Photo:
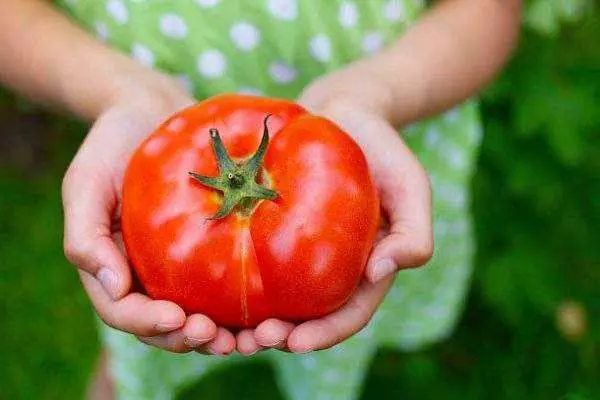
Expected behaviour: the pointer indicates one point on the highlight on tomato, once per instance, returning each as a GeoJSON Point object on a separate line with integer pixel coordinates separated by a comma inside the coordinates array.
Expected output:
{"type": "Point", "coordinates": [244, 208]}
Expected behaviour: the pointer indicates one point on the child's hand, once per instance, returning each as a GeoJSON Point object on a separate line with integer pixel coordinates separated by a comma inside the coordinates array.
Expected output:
{"type": "Point", "coordinates": [91, 196]}
{"type": "Point", "coordinates": [407, 241]}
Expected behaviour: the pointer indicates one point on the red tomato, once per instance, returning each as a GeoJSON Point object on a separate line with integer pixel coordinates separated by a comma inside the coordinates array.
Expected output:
{"type": "Point", "coordinates": [297, 254]}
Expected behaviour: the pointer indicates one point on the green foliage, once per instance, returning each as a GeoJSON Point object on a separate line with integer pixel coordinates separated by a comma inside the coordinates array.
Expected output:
{"type": "Point", "coordinates": [539, 166]}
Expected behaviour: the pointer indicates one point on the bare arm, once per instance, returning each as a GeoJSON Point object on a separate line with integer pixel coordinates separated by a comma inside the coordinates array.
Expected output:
{"type": "Point", "coordinates": [45, 57]}
{"type": "Point", "coordinates": [451, 53]}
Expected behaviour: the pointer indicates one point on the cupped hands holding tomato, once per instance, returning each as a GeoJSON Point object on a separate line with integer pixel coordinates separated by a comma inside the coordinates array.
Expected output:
{"type": "Point", "coordinates": [201, 231]}
{"type": "Point", "coordinates": [275, 255]}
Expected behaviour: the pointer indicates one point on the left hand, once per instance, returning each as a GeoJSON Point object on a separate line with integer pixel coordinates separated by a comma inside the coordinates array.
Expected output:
{"type": "Point", "coordinates": [405, 239]}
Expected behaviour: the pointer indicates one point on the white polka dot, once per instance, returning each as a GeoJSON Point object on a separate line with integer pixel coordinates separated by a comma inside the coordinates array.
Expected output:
{"type": "Point", "coordinates": [186, 82]}
{"type": "Point", "coordinates": [432, 136]}
{"type": "Point", "coordinates": [71, 2]}
{"type": "Point", "coordinates": [244, 35]}
{"type": "Point", "coordinates": [461, 226]}
{"type": "Point", "coordinates": [286, 10]}
{"type": "Point", "coordinates": [456, 157]}
{"type": "Point", "coordinates": [393, 10]}
{"type": "Point", "coordinates": [436, 312]}
{"type": "Point", "coordinates": [118, 11]}
{"type": "Point", "coordinates": [348, 14]}
{"type": "Point", "coordinates": [320, 48]}
{"type": "Point", "coordinates": [451, 116]}
{"type": "Point", "coordinates": [212, 64]}
{"type": "Point", "coordinates": [475, 132]}
{"type": "Point", "coordinates": [142, 54]}
{"type": "Point", "coordinates": [372, 42]}
{"type": "Point", "coordinates": [309, 362]}
{"type": "Point", "coordinates": [332, 376]}
{"type": "Point", "coordinates": [441, 227]}
{"type": "Point", "coordinates": [396, 295]}
{"type": "Point", "coordinates": [250, 91]}
{"type": "Point", "coordinates": [207, 3]}
{"type": "Point", "coordinates": [454, 196]}
{"type": "Point", "coordinates": [282, 73]}
{"type": "Point", "coordinates": [101, 30]}
{"type": "Point", "coordinates": [173, 26]}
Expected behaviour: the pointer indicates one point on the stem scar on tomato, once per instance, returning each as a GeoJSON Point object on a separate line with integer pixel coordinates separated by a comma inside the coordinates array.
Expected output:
{"type": "Point", "coordinates": [237, 182]}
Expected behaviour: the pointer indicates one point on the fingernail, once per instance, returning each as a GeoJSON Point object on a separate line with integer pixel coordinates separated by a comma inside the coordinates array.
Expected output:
{"type": "Point", "coordinates": [383, 268]}
{"type": "Point", "coordinates": [253, 353]}
{"type": "Point", "coordinates": [166, 327]}
{"type": "Point", "coordinates": [193, 342]}
{"type": "Point", "coordinates": [109, 281]}
{"type": "Point", "coordinates": [273, 344]}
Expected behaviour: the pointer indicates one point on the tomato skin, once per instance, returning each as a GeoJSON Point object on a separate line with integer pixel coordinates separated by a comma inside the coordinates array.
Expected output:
{"type": "Point", "coordinates": [298, 257]}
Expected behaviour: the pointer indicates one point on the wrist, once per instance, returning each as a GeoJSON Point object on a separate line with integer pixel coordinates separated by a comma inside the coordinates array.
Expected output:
{"type": "Point", "coordinates": [116, 79]}
{"type": "Point", "coordinates": [356, 88]}
{"type": "Point", "coordinates": [145, 88]}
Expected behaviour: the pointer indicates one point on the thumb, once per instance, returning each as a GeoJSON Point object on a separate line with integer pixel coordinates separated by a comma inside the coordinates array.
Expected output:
{"type": "Point", "coordinates": [406, 198]}
{"type": "Point", "coordinates": [89, 201]}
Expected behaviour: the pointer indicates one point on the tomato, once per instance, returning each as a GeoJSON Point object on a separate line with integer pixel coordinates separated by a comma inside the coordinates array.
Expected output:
{"type": "Point", "coordinates": [245, 208]}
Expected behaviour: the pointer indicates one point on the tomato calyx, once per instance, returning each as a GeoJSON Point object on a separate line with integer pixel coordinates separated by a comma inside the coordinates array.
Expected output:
{"type": "Point", "coordinates": [237, 181]}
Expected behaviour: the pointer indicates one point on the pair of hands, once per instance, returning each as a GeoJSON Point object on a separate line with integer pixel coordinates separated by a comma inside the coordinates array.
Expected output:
{"type": "Point", "coordinates": [91, 198]}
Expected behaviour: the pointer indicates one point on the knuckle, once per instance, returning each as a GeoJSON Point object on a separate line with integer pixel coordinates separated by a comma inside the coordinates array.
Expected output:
{"type": "Point", "coordinates": [77, 252]}
{"type": "Point", "coordinates": [422, 253]}
{"type": "Point", "coordinates": [72, 251]}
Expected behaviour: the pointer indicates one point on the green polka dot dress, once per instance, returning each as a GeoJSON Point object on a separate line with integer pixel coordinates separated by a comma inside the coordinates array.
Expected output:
{"type": "Point", "coordinates": [275, 48]}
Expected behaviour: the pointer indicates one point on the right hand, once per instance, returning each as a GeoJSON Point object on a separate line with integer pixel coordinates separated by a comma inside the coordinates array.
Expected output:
{"type": "Point", "coordinates": [91, 199]}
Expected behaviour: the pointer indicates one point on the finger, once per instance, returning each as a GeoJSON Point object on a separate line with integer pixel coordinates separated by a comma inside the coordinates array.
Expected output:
{"type": "Point", "coordinates": [338, 326]}
{"type": "Point", "coordinates": [173, 342]}
{"type": "Point", "coordinates": [89, 200]}
{"type": "Point", "coordinates": [273, 333]}
{"type": "Point", "coordinates": [134, 313]}
{"type": "Point", "coordinates": [197, 331]}
{"type": "Point", "coordinates": [246, 344]}
{"type": "Point", "coordinates": [406, 199]}
{"type": "Point", "coordinates": [223, 344]}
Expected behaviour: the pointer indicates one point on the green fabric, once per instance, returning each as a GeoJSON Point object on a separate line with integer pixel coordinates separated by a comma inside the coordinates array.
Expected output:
{"type": "Point", "coordinates": [275, 48]}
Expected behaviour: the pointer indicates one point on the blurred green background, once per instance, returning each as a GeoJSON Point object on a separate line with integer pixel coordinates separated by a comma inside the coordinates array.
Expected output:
{"type": "Point", "coordinates": [531, 329]}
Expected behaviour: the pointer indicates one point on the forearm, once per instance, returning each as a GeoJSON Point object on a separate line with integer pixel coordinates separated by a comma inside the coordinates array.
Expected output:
{"type": "Point", "coordinates": [448, 56]}
{"type": "Point", "coordinates": [44, 57]}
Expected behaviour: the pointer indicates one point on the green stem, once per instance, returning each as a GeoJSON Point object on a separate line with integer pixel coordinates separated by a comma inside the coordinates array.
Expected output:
{"type": "Point", "coordinates": [236, 182]}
